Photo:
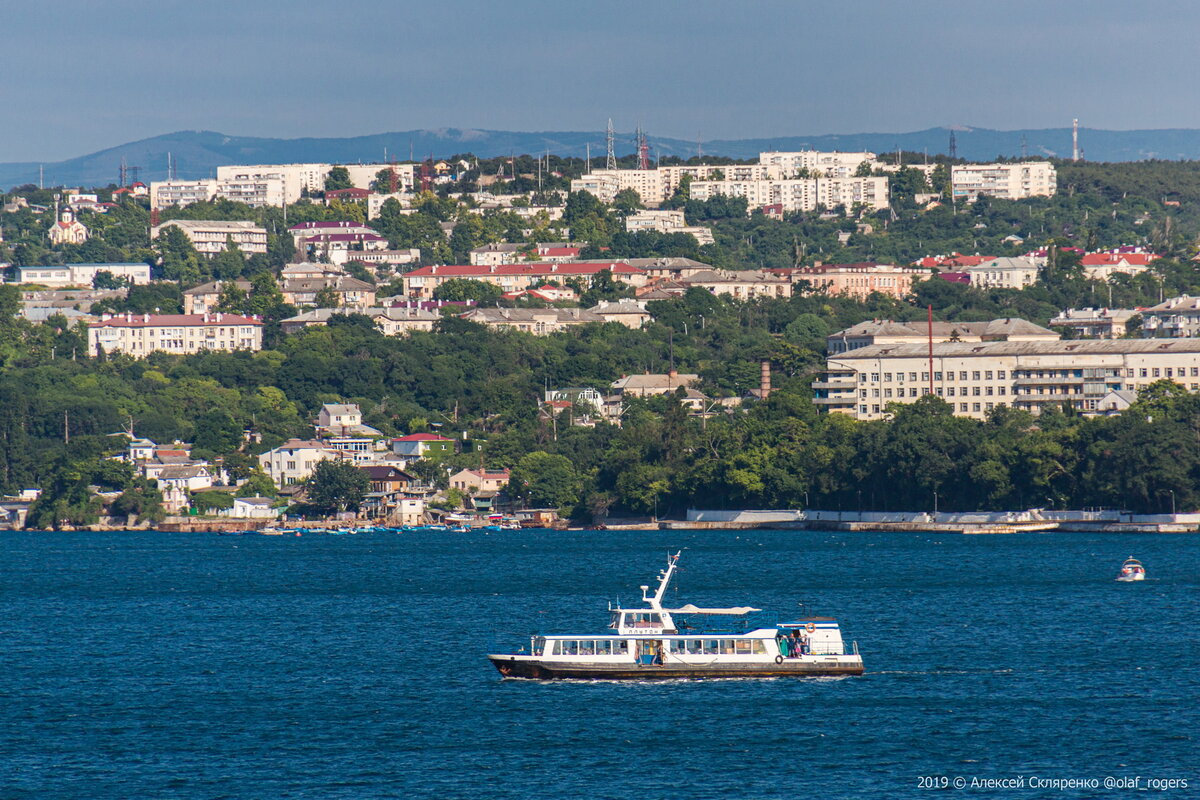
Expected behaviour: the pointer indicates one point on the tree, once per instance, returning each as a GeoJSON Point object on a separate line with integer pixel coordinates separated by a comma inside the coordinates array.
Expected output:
{"type": "Point", "coordinates": [229, 263]}
{"type": "Point", "coordinates": [106, 280]}
{"type": "Point", "coordinates": [327, 298]}
{"type": "Point", "coordinates": [627, 201]}
{"type": "Point", "coordinates": [259, 484]}
{"type": "Point", "coordinates": [337, 486]}
{"type": "Point", "coordinates": [338, 178]}
{"type": "Point", "coordinates": [545, 480]}
{"type": "Point", "coordinates": [460, 289]}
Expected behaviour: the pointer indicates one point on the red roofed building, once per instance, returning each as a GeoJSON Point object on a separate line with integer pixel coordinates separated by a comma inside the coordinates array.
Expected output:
{"type": "Point", "coordinates": [950, 262]}
{"type": "Point", "coordinates": [421, 283]}
{"type": "Point", "coordinates": [352, 194]}
{"type": "Point", "coordinates": [418, 445]}
{"type": "Point", "coordinates": [480, 480]}
{"type": "Point", "coordinates": [1101, 266]}
{"type": "Point", "coordinates": [139, 335]}
{"type": "Point", "coordinates": [556, 253]}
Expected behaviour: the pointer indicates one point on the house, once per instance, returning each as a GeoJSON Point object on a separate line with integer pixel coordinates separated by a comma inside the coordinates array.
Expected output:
{"type": "Point", "coordinates": [177, 484]}
{"type": "Point", "coordinates": [294, 460]}
{"type": "Point", "coordinates": [665, 221]}
{"type": "Point", "coordinates": [670, 268]}
{"type": "Point", "coordinates": [68, 230]}
{"type": "Point", "coordinates": [497, 253]}
{"type": "Point", "coordinates": [388, 479]}
{"type": "Point", "coordinates": [740, 284]}
{"type": "Point", "coordinates": [547, 293]}
{"type": "Point", "coordinates": [419, 445]}
{"type": "Point", "coordinates": [480, 480]}
{"type": "Point", "coordinates": [251, 508]}
{"type": "Point", "coordinates": [421, 283]}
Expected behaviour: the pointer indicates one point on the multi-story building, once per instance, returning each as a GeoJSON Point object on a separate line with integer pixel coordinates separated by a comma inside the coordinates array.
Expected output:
{"type": "Point", "coordinates": [538, 321]}
{"type": "Point", "coordinates": [857, 280]}
{"type": "Point", "coordinates": [422, 282]}
{"type": "Point", "coordinates": [1095, 323]}
{"type": "Point", "coordinates": [205, 297]}
{"type": "Point", "coordinates": [976, 378]}
{"type": "Point", "coordinates": [1102, 266]}
{"type": "Point", "coordinates": [141, 334]}
{"type": "Point", "coordinates": [666, 221]}
{"type": "Point", "coordinates": [294, 460]}
{"type": "Point", "coordinates": [740, 284]}
{"type": "Point", "coordinates": [872, 332]}
{"type": "Point", "coordinates": [813, 162]}
{"type": "Point", "coordinates": [350, 292]}
{"type": "Point", "coordinates": [1177, 318]}
{"type": "Point", "coordinates": [1008, 181]}
{"type": "Point", "coordinates": [83, 274]}
{"type": "Point", "coordinates": [253, 191]}
{"type": "Point", "coordinates": [391, 321]}
{"type": "Point", "coordinates": [1004, 273]}
{"type": "Point", "coordinates": [210, 237]}
{"type": "Point", "coordinates": [800, 194]}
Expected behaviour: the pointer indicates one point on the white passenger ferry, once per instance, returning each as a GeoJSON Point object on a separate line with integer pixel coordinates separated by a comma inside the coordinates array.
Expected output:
{"type": "Point", "coordinates": [648, 643]}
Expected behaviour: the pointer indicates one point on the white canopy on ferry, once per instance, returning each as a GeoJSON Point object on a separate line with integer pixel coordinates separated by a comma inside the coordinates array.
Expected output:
{"type": "Point", "coordinates": [692, 609]}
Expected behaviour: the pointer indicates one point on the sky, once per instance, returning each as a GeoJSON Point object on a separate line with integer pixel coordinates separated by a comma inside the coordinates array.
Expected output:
{"type": "Point", "coordinates": [83, 75]}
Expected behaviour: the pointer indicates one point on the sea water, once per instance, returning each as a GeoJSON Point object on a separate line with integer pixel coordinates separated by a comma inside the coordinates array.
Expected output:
{"type": "Point", "coordinates": [154, 665]}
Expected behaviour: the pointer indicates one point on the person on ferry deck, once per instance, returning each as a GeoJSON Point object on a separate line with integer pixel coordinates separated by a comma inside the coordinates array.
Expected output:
{"type": "Point", "coordinates": [796, 645]}
{"type": "Point", "coordinates": [785, 648]}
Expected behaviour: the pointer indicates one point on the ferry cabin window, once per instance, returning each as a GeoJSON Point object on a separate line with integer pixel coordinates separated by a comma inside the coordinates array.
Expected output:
{"type": "Point", "coordinates": [643, 620]}
{"type": "Point", "coordinates": [589, 647]}
{"type": "Point", "coordinates": [694, 647]}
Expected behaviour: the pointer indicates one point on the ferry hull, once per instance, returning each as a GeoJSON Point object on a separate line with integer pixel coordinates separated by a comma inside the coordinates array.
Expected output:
{"type": "Point", "coordinates": [511, 667]}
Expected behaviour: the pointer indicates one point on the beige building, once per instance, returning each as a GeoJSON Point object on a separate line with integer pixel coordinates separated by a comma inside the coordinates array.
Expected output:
{"type": "Point", "coordinates": [210, 237]}
{"type": "Point", "coordinates": [1004, 273]}
{"type": "Point", "coordinates": [391, 321]}
{"type": "Point", "coordinates": [666, 221]}
{"type": "Point", "coordinates": [1176, 318]}
{"type": "Point", "coordinates": [141, 334]}
{"type": "Point", "coordinates": [253, 191]}
{"type": "Point", "coordinates": [204, 298]}
{"type": "Point", "coordinates": [1095, 323]}
{"type": "Point", "coordinates": [538, 321]}
{"type": "Point", "coordinates": [872, 332]}
{"type": "Point", "coordinates": [1008, 181]}
{"type": "Point", "coordinates": [294, 460]}
{"type": "Point", "coordinates": [857, 280]}
{"type": "Point", "coordinates": [422, 282]}
{"type": "Point", "coordinates": [480, 480]}
{"type": "Point", "coordinates": [740, 284]}
{"type": "Point", "coordinates": [68, 230]}
{"type": "Point", "coordinates": [815, 162]}
{"type": "Point", "coordinates": [976, 378]}
{"type": "Point", "coordinates": [350, 291]}
{"type": "Point", "coordinates": [630, 313]}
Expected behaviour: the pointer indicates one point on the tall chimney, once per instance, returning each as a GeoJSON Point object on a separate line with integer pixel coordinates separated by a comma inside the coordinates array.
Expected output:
{"type": "Point", "coordinates": [764, 383]}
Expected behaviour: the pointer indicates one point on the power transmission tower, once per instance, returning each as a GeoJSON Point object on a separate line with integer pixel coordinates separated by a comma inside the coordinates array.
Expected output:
{"type": "Point", "coordinates": [953, 146]}
{"type": "Point", "coordinates": [611, 163]}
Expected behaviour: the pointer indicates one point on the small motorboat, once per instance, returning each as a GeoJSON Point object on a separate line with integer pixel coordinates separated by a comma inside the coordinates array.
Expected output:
{"type": "Point", "coordinates": [1131, 570]}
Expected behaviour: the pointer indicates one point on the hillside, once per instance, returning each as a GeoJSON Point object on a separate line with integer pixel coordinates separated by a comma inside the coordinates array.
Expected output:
{"type": "Point", "coordinates": [198, 153]}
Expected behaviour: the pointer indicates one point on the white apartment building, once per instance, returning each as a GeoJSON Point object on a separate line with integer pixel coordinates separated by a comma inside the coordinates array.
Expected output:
{"type": "Point", "coordinates": [800, 194]}
{"type": "Point", "coordinates": [296, 179]}
{"type": "Point", "coordinates": [83, 274]}
{"type": "Point", "coordinates": [1008, 181]}
{"type": "Point", "coordinates": [1177, 318]}
{"type": "Point", "coordinates": [253, 191]}
{"type": "Point", "coordinates": [139, 335]}
{"type": "Point", "coordinates": [976, 378]}
{"type": "Point", "coordinates": [815, 162]}
{"type": "Point", "coordinates": [210, 237]}
{"type": "Point", "coordinates": [164, 194]}
{"type": "Point", "coordinates": [294, 460]}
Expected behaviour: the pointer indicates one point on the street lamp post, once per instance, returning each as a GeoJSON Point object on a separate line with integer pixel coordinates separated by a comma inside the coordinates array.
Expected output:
{"type": "Point", "coordinates": [1172, 491]}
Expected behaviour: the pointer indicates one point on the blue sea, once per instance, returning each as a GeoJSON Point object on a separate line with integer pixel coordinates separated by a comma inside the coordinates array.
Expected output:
{"type": "Point", "coordinates": [154, 665]}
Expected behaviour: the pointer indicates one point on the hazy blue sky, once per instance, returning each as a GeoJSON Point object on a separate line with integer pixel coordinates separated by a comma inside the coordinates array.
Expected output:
{"type": "Point", "coordinates": [81, 75]}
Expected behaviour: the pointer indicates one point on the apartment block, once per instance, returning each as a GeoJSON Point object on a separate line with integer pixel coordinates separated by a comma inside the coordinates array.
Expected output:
{"type": "Point", "coordinates": [1008, 181]}
{"type": "Point", "coordinates": [799, 194]}
{"type": "Point", "coordinates": [859, 280]}
{"type": "Point", "coordinates": [976, 378]}
{"type": "Point", "coordinates": [210, 237]}
{"type": "Point", "coordinates": [139, 335]}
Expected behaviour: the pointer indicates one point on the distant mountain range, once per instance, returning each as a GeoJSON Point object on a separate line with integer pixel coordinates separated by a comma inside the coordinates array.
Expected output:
{"type": "Point", "coordinates": [197, 154]}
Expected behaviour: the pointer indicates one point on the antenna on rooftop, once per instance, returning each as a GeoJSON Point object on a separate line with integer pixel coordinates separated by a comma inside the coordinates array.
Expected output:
{"type": "Point", "coordinates": [1075, 140]}
{"type": "Point", "coordinates": [611, 162]}
{"type": "Point", "coordinates": [953, 145]}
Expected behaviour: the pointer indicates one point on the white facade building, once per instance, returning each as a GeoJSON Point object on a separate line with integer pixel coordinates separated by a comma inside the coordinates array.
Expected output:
{"type": "Point", "coordinates": [976, 378]}
{"type": "Point", "coordinates": [1004, 273]}
{"type": "Point", "coordinates": [83, 274]}
{"type": "Point", "coordinates": [294, 460]}
{"type": "Point", "coordinates": [1008, 181]}
{"type": "Point", "coordinates": [800, 194]}
{"type": "Point", "coordinates": [210, 237]}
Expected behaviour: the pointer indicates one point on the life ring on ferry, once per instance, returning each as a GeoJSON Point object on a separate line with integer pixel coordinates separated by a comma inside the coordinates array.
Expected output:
{"type": "Point", "coordinates": [778, 659]}
{"type": "Point", "coordinates": [810, 627]}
